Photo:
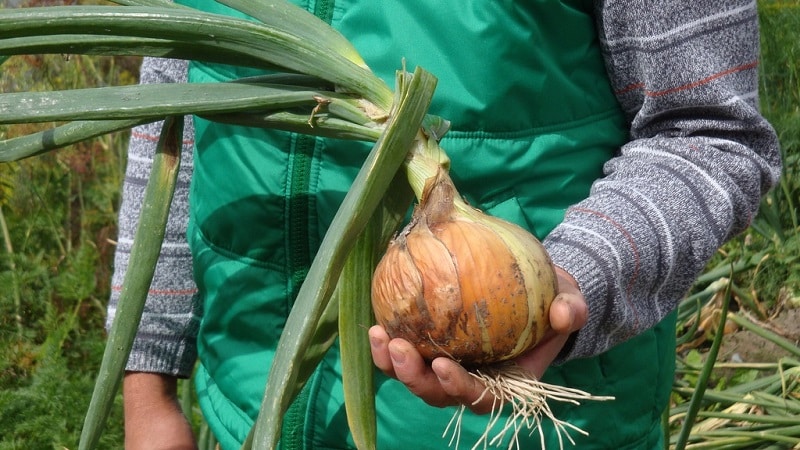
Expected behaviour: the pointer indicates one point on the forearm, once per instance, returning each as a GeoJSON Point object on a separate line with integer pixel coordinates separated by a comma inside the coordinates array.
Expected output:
{"type": "Point", "coordinates": [699, 160]}
{"type": "Point", "coordinates": [165, 341]}
{"type": "Point", "coordinates": [153, 417]}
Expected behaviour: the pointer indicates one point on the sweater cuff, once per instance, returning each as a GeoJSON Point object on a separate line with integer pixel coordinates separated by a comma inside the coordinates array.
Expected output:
{"type": "Point", "coordinates": [171, 357]}
{"type": "Point", "coordinates": [165, 345]}
{"type": "Point", "coordinates": [580, 263]}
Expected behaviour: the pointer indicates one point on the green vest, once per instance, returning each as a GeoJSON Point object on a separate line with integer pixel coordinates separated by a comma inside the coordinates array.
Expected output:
{"type": "Point", "coordinates": [533, 121]}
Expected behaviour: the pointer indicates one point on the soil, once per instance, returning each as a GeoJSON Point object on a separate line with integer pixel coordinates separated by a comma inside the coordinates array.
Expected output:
{"type": "Point", "coordinates": [744, 346]}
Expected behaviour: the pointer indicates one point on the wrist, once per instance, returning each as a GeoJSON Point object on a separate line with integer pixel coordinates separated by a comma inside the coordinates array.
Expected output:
{"type": "Point", "coordinates": [153, 416]}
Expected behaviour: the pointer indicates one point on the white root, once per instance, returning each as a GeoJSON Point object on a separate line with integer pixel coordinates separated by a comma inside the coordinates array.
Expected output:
{"type": "Point", "coordinates": [511, 384]}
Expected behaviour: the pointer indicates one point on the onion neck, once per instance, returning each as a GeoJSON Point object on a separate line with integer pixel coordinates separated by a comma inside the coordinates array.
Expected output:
{"type": "Point", "coordinates": [424, 161]}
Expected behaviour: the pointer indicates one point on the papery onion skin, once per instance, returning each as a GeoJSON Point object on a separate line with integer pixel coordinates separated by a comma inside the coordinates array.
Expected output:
{"type": "Point", "coordinates": [459, 283]}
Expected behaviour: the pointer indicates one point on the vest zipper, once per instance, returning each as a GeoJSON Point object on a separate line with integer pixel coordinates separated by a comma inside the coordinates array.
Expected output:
{"type": "Point", "coordinates": [300, 205]}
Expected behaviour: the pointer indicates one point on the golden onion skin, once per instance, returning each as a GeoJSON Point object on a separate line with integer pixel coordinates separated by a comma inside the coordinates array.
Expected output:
{"type": "Point", "coordinates": [456, 282]}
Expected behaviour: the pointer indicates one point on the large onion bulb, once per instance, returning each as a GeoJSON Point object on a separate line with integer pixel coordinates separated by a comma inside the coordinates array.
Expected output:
{"type": "Point", "coordinates": [459, 283]}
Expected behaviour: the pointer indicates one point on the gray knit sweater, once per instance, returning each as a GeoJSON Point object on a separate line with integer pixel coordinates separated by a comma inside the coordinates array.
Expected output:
{"type": "Point", "coordinates": [699, 159]}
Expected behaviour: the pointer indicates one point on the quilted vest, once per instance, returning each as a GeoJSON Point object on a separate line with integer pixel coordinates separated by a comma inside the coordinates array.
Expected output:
{"type": "Point", "coordinates": [533, 121]}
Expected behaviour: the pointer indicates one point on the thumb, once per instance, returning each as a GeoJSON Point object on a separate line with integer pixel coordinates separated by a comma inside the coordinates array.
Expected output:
{"type": "Point", "coordinates": [568, 312]}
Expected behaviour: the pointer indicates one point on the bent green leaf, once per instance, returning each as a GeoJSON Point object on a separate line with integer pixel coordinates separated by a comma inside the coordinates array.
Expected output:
{"type": "Point", "coordinates": [144, 255]}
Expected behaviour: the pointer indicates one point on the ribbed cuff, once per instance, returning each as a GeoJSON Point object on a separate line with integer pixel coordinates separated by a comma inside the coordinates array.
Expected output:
{"type": "Point", "coordinates": [579, 263]}
{"type": "Point", "coordinates": [174, 357]}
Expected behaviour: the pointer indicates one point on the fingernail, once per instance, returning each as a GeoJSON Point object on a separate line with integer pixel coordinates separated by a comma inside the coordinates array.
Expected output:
{"type": "Point", "coordinates": [442, 375]}
{"type": "Point", "coordinates": [398, 357]}
{"type": "Point", "coordinates": [374, 342]}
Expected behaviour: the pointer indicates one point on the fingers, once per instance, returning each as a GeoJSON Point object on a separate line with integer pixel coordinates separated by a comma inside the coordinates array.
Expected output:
{"type": "Point", "coordinates": [412, 370]}
{"type": "Point", "coordinates": [568, 314]}
{"type": "Point", "coordinates": [398, 359]}
{"type": "Point", "coordinates": [462, 387]}
{"type": "Point", "coordinates": [442, 383]}
{"type": "Point", "coordinates": [379, 346]}
{"type": "Point", "coordinates": [445, 382]}
{"type": "Point", "coordinates": [539, 358]}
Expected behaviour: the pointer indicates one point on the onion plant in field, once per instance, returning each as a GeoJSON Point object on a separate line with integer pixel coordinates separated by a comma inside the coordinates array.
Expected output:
{"type": "Point", "coordinates": [321, 87]}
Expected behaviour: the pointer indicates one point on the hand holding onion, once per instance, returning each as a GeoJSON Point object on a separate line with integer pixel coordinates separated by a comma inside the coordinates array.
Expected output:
{"type": "Point", "coordinates": [444, 382]}
{"type": "Point", "coordinates": [471, 312]}
{"type": "Point", "coordinates": [568, 314]}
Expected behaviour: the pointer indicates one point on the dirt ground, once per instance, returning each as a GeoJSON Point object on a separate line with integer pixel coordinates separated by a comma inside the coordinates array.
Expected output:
{"type": "Point", "coordinates": [744, 346]}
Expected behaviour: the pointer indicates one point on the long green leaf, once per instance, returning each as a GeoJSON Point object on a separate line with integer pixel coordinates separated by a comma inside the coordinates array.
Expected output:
{"type": "Point", "coordinates": [158, 3]}
{"type": "Point", "coordinates": [153, 108]}
{"type": "Point", "coordinates": [323, 125]}
{"type": "Point", "coordinates": [285, 41]}
{"type": "Point", "coordinates": [360, 400]}
{"type": "Point", "coordinates": [37, 143]}
{"type": "Point", "coordinates": [355, 317]}
{"type": "Point", "coordinates": [353, 293]}
{"type": "Point", "coordinates": [358, 206]}
{"type": "Point", "coordinates": [144, 255]}
{"type": "Point", "coordinates": [705, 374]}
{"type": "Point", "coordinates": [764, 333]}
{"type": "Point", "coordinates": [151, 101]}
{"type": "Point", "coordinates": [287, 16]}
{"type": "Point", "coordinates": [92, 44]}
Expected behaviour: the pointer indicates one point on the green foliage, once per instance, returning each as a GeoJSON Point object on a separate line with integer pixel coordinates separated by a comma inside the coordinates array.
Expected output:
{"type": "Point", "coordinates": [777, 226]}
{"type": "Point", "coordinates": [59, 213]}
{"type": "Point", "coordinates": [47, 386]}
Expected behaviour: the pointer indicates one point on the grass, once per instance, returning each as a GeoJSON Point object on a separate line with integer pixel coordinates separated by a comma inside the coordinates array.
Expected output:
{"type": "Point", "coordinates": [776, 228]}
{"type": "Point", "coordinates": [58, 222]}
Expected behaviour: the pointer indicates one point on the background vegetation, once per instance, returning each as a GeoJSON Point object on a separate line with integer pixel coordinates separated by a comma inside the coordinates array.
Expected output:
{"type": "Point", "coordinates": [58, 222]}
{"type": "Point", "coordinates": [58, 225]}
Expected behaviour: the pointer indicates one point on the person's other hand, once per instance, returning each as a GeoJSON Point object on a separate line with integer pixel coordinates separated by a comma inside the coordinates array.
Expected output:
{"type": "Point", "coordinates": [444, 382]}
{"type": "Point", "coordinates": [153, 417]}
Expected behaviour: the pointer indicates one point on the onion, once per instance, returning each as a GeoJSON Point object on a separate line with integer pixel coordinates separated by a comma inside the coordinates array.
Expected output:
{"type": "Point", "coordinates": [459, 283]}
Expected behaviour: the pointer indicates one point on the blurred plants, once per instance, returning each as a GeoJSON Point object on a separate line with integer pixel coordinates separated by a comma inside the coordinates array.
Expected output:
{"type": "Point", "coordinates": [57, 225]}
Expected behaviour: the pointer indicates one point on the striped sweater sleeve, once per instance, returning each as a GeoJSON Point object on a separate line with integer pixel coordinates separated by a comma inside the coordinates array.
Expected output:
{"type": "Point", "coordinates": [165, 342]}
{"type": "Point", "coordinates": [699, 158]}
